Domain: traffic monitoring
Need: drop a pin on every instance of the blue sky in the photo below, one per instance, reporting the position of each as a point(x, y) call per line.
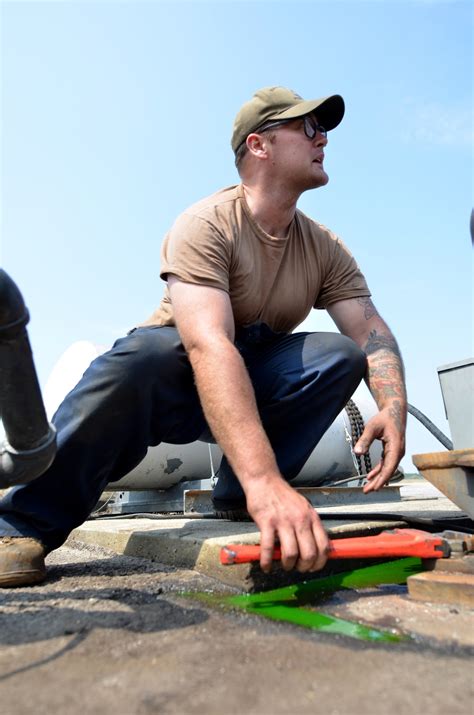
point(117, 115)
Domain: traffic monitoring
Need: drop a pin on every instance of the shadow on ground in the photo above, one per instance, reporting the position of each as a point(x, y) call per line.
point(57, 609)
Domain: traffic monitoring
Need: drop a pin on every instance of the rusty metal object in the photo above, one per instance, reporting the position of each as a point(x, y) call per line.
point(461, 559)
point(459, 542)
point(452, 473)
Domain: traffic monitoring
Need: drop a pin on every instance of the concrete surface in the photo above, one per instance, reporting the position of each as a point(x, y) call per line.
point(195, 543)
point(109, 634)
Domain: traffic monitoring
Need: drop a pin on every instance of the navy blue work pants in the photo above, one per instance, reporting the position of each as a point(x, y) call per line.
point(142, 392)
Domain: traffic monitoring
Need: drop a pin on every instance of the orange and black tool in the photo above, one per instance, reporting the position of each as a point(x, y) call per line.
point(389, 544)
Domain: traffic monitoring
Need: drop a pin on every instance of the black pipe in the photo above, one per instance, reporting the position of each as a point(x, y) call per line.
point(430, 426)
point(30, 444)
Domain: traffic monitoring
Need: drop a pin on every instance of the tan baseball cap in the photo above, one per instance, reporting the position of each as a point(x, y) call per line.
point(274, 103)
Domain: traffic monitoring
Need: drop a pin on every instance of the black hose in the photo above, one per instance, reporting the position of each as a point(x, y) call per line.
point(426, 422)
point(30, 443)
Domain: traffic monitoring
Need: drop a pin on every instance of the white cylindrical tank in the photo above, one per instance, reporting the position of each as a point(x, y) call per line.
point(67, 372)
point(166, 465)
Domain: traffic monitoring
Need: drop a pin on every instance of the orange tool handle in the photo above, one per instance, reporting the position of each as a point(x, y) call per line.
point(388, 544)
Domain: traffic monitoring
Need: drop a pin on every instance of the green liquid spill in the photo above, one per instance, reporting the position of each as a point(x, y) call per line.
point(288, 603)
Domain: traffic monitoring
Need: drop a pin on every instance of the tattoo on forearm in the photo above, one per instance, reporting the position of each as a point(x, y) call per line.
point(369, 308)
point(385, 374)
point(398, 414)
point(376, 342)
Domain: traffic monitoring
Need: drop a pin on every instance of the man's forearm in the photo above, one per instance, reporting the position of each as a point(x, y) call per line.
point(358, 319)
point(229, 405)
point(385, 373)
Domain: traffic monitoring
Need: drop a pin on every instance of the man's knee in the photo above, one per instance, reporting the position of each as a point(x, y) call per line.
point(339, 350)
point(350, 353)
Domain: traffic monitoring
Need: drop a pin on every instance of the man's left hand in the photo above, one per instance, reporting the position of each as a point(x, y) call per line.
point(386, 427)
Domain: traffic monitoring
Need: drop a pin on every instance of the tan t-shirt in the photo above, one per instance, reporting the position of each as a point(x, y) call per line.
point(217, 243)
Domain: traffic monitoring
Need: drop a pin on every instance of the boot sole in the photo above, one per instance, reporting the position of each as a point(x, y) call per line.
point(21, 578)
point(233, 514)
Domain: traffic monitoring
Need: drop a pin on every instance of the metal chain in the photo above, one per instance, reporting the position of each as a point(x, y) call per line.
point(356, 422)
point(353, 455)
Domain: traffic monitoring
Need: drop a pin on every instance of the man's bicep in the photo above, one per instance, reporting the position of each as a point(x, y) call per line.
point(201, 312)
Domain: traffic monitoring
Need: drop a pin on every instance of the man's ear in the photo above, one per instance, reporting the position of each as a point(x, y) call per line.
point(257, 145)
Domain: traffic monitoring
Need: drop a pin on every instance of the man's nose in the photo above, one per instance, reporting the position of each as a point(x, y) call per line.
point(320, 139)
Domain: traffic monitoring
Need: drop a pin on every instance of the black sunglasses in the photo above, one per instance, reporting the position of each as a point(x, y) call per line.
point(310, 126)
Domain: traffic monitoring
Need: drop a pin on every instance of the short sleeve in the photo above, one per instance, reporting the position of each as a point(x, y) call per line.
point(196, 251)
point(343, 278)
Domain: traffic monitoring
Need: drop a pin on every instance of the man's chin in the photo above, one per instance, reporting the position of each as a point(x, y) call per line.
point(320, 180)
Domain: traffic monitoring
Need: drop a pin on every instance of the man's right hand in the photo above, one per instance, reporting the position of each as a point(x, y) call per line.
point(284, 515)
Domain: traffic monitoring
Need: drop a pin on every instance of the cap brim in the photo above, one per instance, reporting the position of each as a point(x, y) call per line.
point(330, 110)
